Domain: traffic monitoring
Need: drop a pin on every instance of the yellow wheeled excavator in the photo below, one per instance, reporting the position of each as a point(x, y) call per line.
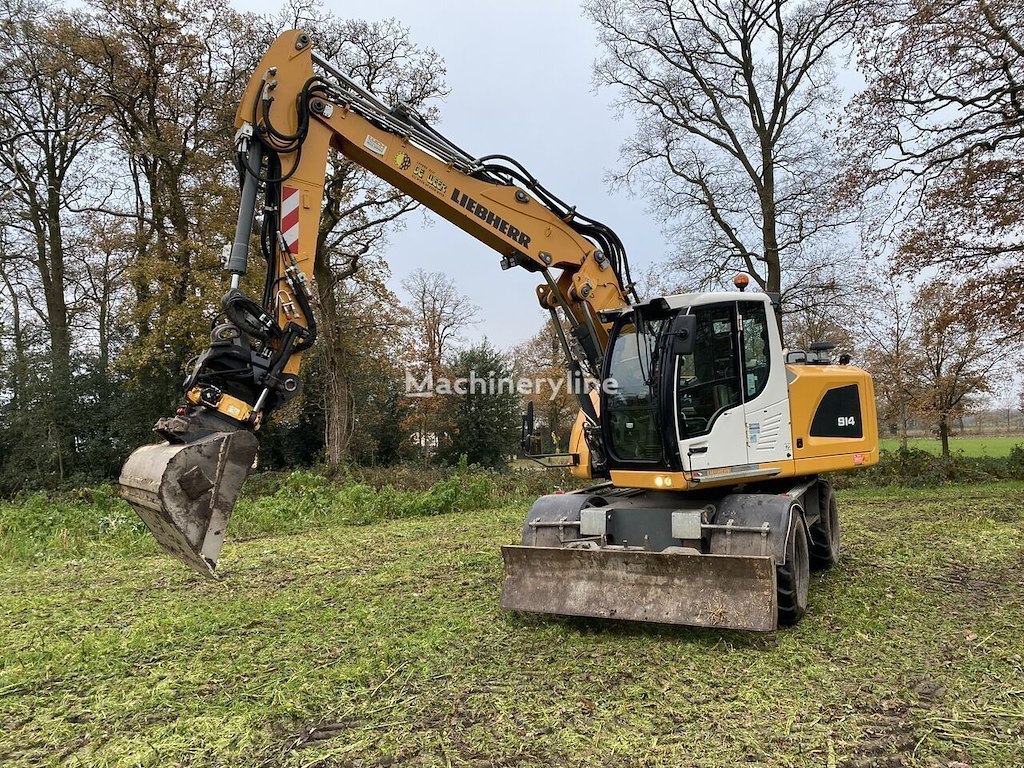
point(706, 439)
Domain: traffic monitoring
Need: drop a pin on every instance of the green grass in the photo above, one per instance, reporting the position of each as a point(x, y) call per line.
point(383, 644)
point(969, 446)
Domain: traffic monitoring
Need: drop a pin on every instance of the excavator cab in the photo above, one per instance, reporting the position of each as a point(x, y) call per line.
point(690, 380)
point(715, 510)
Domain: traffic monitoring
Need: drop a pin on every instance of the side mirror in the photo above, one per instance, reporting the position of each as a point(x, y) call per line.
point(683, 332)
point(527, 430)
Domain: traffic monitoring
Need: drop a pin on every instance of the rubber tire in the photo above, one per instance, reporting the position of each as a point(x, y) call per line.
point(825, 538)
point(794, 577)
point(551, 508)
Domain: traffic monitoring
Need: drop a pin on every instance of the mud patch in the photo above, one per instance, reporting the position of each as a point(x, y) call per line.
point(976, 587)
point(313, 735)
point(887, 740)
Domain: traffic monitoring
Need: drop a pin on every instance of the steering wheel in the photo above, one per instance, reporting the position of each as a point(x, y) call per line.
point(695, 425)
point(712, 383)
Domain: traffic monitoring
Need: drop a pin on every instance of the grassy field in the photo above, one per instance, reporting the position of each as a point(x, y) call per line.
point(383, 645)
point(969, 446)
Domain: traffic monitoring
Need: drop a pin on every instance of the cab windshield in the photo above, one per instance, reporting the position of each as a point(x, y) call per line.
point(631, 405)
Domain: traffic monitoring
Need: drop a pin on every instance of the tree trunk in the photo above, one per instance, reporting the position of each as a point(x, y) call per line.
point(52, 261)
point(336, 386)
point(337, 397)
point(770, 237)
point(944, 436)
point(18, 370)
point(103, 320)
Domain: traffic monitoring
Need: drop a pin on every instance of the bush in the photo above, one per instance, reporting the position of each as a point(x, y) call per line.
point(68, 523)
point(72, 523)
point(306, 499)
point(914, 468)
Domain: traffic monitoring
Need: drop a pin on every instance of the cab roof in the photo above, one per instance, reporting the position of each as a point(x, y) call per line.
point(683, 300)
point(679, 300)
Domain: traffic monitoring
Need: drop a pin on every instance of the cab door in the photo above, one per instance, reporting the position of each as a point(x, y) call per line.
point(768, 434)
point(708, 405)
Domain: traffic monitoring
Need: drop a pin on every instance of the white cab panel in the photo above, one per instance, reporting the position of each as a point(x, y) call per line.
point(724, 446)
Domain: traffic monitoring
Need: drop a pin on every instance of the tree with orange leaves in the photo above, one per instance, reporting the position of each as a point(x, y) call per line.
point(957, 358)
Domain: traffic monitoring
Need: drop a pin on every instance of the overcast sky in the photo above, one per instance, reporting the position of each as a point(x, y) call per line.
point(520, 79)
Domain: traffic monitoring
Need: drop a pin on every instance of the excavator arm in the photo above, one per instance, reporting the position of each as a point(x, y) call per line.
point(296, 109)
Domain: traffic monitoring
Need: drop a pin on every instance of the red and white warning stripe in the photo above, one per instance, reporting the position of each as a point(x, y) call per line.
point(290, 218)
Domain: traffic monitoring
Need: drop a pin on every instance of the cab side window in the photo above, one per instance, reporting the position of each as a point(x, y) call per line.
point(707, 379)
point(756, 357)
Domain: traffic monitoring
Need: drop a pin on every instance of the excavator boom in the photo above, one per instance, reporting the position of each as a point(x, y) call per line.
point(294, 110)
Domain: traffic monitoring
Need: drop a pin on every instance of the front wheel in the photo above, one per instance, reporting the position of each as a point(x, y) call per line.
point(794, 576)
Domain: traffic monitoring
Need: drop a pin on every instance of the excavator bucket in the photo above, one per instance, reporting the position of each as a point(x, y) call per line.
point(185, 492)
point(722, 591)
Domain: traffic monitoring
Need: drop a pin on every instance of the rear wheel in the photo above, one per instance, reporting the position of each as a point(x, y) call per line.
point(794, 576)
point(824, 544)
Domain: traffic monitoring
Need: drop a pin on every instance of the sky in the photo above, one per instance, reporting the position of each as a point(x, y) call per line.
point(520, 80)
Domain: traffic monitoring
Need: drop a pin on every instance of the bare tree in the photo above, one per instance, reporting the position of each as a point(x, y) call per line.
point(102, 286)
point(46, 124)
point(936, 140)
point(731, 99)
point(168, 75)
point(14, 345)
point(891, 352)
point(439, 315)
point(818, 324)
point(959, 358)
point(439, 312)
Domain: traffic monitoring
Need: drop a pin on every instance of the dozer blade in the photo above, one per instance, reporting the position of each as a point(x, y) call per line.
point(185, 492)
point(727, 591)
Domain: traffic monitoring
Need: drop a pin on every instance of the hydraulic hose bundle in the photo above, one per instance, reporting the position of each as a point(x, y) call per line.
point(239, 309)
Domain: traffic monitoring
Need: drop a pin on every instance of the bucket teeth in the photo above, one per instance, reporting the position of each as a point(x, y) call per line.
point(723, 591)
point(185, 492)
